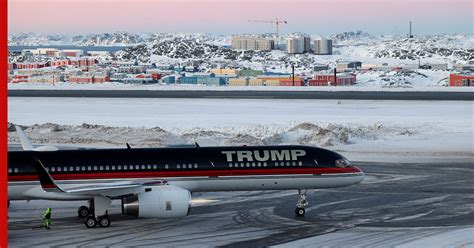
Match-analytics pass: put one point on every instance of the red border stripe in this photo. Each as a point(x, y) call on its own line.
point(3, 125)
point(189, 173)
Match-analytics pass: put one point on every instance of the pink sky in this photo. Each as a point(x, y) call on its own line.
point(230, 16)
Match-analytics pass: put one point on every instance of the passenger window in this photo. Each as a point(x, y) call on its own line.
point(195, 166)
point(178, 166)
point(59, 169)
point(148, 166)
point(113, 167)
point(155, 167)
point(15, 170)
point(107, 167)
point(65, 168)
point(71, 168)
point(166, 166)
point(9, 170)
point(95, 167)
point(101, 167)
point(52, 169)
point(143, 166)
point(137, 166)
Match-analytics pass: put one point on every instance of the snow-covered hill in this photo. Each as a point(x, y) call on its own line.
point(104, 39)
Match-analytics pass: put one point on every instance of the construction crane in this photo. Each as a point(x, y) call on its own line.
point(277, 22)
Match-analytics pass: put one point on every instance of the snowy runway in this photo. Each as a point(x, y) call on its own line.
point(385, 129)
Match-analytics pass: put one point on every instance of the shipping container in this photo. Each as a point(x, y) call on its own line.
point(314, 82)
point(211, 81)
point(238, 81)
point(255, 82)
point(290, 83)
point(188, 80)
point(272, 83)
point(169, 80)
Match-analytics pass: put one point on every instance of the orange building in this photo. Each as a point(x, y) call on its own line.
point(461, 80)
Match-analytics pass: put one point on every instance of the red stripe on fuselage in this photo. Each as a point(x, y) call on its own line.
point(187, 173)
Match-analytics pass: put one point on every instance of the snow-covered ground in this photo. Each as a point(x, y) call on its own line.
point(391, 237)
point(362, 130)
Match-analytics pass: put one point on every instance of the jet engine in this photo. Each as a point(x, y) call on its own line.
point(158, 202)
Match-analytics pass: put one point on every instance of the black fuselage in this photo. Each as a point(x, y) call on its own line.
point(98, 163)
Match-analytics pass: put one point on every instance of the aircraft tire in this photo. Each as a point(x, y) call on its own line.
point(104, 221)
point(300, 211)
point(90, 222)
point(83, 212)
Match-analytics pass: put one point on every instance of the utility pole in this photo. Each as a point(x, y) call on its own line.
point(293, 74)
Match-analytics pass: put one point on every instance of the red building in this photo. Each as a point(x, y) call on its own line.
point(289, 82)
point(84, 62)
point(60, 62)
point(35, 65)
point(101, 79)
point(20, 79)
point(89, 79)
point(328, 79)
point(156, 76)
point(461, 80)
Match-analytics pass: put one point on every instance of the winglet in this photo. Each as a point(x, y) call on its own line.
point(25, 142)
point(47, 182)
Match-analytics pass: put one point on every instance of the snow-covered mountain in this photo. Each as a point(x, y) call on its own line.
point(108, 39)
point(349, 46)
point(455, 48)
point(104, 39)
point(32, 39)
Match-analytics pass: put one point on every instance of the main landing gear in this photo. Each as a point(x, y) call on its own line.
point(92, 221)
point(302, 203)
point(96, 214)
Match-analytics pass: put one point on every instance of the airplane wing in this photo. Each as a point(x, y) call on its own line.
point(108, 190)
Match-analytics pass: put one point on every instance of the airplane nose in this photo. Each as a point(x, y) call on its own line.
point(358, 170)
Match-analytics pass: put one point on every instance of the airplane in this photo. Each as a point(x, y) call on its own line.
point(157, 182)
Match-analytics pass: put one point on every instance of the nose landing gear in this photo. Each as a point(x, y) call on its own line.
point(302, 203)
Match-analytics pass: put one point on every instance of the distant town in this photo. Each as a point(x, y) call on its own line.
point(77, 66)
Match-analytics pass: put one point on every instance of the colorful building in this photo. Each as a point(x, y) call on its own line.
point(456, 80)
point(331, 79)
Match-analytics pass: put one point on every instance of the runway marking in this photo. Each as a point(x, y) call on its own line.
point(410, 217)
point(334, 203)
point(392, 179)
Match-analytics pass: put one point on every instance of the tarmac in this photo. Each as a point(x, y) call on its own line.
point(398, 204)
point(248, 94)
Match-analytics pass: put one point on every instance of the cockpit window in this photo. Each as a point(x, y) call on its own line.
point(343, 163)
